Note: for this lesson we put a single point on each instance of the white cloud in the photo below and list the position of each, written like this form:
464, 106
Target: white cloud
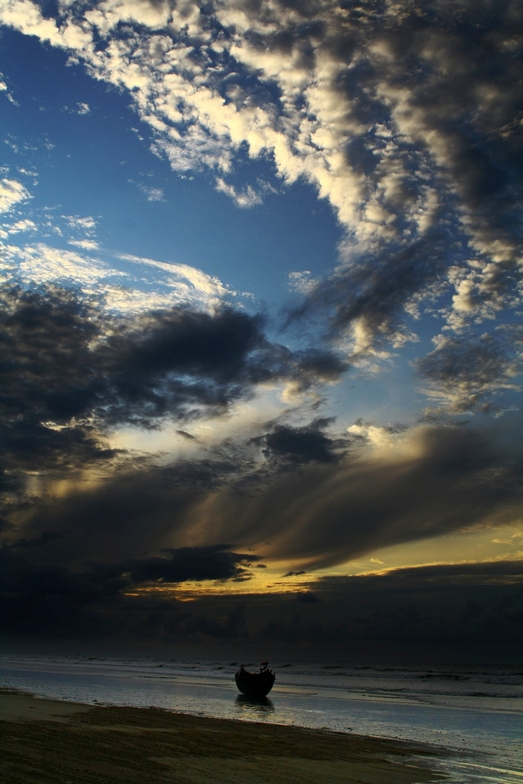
306, 133
153, 194
54, 265
185, 281
86, 224
17, 227
4, 89
243, 199
134, 286
85, 244
302, 282
11, 192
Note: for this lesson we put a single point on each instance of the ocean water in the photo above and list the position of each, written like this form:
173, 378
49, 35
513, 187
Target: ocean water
475, 712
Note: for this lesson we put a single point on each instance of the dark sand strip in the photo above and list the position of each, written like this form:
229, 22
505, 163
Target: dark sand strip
46, 742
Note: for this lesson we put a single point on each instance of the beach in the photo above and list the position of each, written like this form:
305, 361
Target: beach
465, 723
61, 743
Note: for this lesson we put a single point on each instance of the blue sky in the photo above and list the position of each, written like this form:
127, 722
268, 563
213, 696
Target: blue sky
265, 258
71, 129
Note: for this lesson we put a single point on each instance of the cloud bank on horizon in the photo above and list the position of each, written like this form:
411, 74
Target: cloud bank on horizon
406, 119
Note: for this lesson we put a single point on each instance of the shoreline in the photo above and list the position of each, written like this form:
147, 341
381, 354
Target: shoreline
57, 742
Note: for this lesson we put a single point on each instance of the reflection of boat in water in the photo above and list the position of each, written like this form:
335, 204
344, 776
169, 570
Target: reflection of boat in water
255, 684
254, 704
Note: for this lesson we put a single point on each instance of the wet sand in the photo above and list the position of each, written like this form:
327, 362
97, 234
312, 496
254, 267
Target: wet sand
48, 742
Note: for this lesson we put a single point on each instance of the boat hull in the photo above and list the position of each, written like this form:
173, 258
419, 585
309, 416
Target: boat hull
255, 684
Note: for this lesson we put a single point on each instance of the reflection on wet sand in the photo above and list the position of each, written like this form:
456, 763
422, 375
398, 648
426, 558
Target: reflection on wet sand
254, 704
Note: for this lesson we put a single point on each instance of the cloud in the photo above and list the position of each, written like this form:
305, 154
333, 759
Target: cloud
298, 445
63, 360
306, 504
131, 285
183, 277
307, 597
43, 598
450, 607
11, 192
73, 373
86, 224
189, 563
85, 244
425, 579
244, 199
222, 355
153, 194
427, 483
465, 373
17, 227
338, 100
364, 302
405, 119
302, 282
313, 500
442, 610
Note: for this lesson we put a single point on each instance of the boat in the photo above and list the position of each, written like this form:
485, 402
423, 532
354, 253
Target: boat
255, 684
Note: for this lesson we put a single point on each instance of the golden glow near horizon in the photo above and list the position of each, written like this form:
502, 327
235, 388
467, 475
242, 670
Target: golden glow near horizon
258, 584
488, 544
463, 548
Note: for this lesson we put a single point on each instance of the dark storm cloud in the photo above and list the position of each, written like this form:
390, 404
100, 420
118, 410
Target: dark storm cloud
21, 576
315, 512
307, 597
89, 549
425, 579
62, 359
30, 445
186, 435
132, 513
445, 605
46, 375
374, 292
316, 365
22, 573
441, 480
189, 563
69, 372
468, 371
299, 445
44, 597
185, 358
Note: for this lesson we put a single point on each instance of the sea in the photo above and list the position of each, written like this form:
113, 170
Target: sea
475, 712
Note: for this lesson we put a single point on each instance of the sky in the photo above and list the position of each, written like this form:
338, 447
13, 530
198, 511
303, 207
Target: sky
261, 335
